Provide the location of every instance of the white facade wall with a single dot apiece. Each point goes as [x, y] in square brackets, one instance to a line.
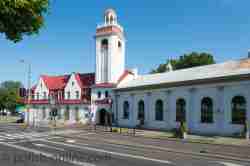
[41, 89]
[221, 94]
[115, 59]
[36, 114]
[72, 87]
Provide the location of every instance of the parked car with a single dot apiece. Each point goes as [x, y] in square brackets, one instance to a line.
[21, 120]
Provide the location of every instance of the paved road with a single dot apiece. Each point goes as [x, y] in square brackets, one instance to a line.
[70, 147]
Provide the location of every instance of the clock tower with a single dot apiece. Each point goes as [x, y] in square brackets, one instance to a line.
[110, 49]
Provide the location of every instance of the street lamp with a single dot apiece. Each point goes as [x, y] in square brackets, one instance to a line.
[28, 91]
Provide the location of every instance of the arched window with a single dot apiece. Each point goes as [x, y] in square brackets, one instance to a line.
[104, 63]
[105, 44]
[141, 110]
[106, 94]
[207, 110]
[181, 110]
[111, 19]
[107, 20]
[239, 110]
[119, 44]
[126, 110]
[159, 110]
[99, 94]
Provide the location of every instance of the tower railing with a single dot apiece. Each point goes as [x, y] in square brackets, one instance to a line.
[113, 24]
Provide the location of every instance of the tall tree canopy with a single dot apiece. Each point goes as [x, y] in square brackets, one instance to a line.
[9, 95]
[186, 61]
[21, 17]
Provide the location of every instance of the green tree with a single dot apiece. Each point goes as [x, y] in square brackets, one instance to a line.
[9, 95]
[22, 17]
[193, 59]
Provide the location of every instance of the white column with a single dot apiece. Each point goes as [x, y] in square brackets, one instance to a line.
[132, 110]
[248, 105]
[191, 109]
[148, 111]
[219, 113]
[117, 110]
[167, 108]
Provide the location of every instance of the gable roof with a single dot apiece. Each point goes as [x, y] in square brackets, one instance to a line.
[124, 75]
[85, 80]
[113, 85]
[215, 71]
[55, 82]
[60, 82]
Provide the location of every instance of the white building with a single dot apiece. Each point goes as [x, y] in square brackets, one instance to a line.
[212, 99]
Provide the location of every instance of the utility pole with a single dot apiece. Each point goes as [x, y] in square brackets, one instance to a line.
[28, 91]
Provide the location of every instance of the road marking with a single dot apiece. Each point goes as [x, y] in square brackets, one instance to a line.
[110, 152]
[70, 141]
[229, 164]
[48, 155]
[47, 146]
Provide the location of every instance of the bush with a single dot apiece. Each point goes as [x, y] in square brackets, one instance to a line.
[183, 127]
[176, 133]
[115, 130]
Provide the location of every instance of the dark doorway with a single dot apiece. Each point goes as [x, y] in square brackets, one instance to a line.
[104, 117]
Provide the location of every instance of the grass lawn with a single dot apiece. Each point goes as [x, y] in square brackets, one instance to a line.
[8, 119]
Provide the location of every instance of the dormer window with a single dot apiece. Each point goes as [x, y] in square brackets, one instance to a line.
[44, 95]
[68, 95]
[37, 96]
[77, 95]
[73, 83]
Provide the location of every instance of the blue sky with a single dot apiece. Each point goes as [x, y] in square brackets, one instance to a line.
[155, 31]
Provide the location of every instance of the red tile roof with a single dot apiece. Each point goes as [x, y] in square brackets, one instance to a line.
[85, 80]
[55, 82]
[124, 75]
[59, 82]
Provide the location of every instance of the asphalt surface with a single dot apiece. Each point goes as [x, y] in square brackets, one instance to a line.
[83, 148]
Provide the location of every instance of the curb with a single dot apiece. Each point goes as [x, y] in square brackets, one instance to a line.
[180, 140]
[206, 154]
[219, 156]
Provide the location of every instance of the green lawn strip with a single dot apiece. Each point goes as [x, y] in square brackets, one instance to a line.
[8, 119]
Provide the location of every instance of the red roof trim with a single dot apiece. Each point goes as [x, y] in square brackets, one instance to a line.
[46, 101]
[76, 101]
[103, 101]
[124, 75]
[104, 85]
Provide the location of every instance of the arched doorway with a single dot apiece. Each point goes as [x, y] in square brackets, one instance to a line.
[104, 117]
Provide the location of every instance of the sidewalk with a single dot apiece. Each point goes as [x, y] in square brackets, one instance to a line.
[165, 135]
[217, 140]
[230, 152]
